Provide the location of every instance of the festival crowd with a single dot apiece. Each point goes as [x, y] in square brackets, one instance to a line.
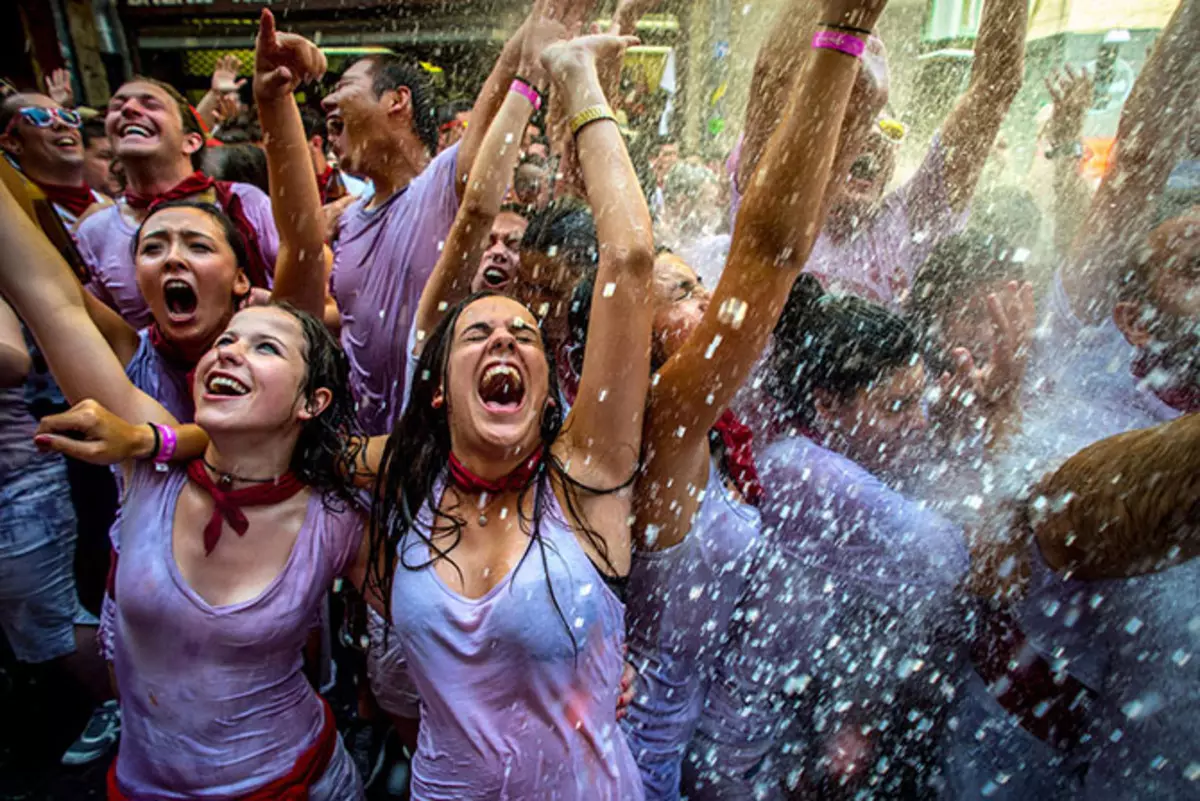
[635, 476]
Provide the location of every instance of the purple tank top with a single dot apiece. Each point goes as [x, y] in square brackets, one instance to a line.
[213, 700]
[105, 241]
[681, 601]
[510, 709]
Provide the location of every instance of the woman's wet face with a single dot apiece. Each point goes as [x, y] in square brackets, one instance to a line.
[680, 300]
[496, 384]
[252, 379]
[879, 420]
[188, 274]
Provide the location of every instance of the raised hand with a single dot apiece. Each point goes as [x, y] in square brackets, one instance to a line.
[541, 31]
[91, 433]
[564, 61]
[282, 61]
[58, 86]
[1073, 93]
[225, 75]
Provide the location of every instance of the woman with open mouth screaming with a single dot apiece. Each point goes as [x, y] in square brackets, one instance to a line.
[505, 529]
[224, 561]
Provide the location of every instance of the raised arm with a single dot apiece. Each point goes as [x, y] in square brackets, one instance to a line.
[1072, 93]
[775, 230]
[484, 192]
[39, 285]
[772, 81]
[15, 362]
[1155, 118]
[282, 61]
[1124, 506]
[605, 424]
[224, 81]
[970, 130]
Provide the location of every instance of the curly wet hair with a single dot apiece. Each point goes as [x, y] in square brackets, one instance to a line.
[330, 444]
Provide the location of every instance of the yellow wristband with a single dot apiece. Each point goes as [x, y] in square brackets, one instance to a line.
[589, 115]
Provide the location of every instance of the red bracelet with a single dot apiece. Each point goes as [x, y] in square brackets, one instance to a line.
[846, 43]
[528, 92]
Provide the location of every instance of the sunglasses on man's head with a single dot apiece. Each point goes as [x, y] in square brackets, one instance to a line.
[45, 117]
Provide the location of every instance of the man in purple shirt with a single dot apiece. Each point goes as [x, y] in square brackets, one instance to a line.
[382, 125]
[160, 144]
[872, 244]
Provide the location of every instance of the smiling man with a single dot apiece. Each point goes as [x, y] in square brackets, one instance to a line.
[159, 143]
[43, 139]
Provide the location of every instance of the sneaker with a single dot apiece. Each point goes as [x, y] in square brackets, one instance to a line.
[100, 734]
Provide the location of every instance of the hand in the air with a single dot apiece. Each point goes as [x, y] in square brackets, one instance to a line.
[283, 61]
[58, 86]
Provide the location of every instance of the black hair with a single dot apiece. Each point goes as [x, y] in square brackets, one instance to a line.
[314, 123]
[565, 230]
[415, 458]
[327, 452]
[187, 114]
[957, 268]
[242, 163]
[448, 112]
[389, 72]
[839, 344]
[8, 109]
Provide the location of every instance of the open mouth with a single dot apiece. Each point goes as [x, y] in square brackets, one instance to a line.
[495, 277]
[66, 141]
[226, 386]
[179, 297]
[501, 388]
[135, 129]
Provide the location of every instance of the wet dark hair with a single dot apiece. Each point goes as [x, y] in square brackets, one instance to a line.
[241, 163]
[389, 72]
[187, 114]
[415, 459]
[839, 344]
[1176, 241]
[565, 230]
[957, 268]
[330, 443]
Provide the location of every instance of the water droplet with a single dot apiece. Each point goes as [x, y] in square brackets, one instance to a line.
[609, 289]
[1134, 625]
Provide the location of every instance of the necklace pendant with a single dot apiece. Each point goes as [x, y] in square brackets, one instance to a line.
[482, 519]
[226, 481]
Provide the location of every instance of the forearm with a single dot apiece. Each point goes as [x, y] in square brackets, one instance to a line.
[774, 75]
[487, 105]
[41, 288]
[206, 109]
[296, 207]
[485, 189]
[1160, 108]
[970, 130]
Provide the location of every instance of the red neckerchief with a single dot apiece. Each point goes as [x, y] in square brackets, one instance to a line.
[194, 184]
[75, 199]
[228, 503]
[1184, 398]
[739, 456]
[323, 183]
[518, 479]
[169, 350]
[258, 271]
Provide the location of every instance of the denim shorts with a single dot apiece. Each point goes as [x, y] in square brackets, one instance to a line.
[38, 603]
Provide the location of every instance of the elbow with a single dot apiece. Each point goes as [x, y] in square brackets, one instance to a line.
[636, 259]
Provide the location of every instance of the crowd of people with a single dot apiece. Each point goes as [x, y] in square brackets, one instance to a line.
[639, 475]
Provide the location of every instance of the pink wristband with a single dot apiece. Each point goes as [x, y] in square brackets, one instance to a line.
[846, 43]
[528, 92]
[169, 442]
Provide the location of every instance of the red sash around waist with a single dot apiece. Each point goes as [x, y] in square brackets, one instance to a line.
[308, 769]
